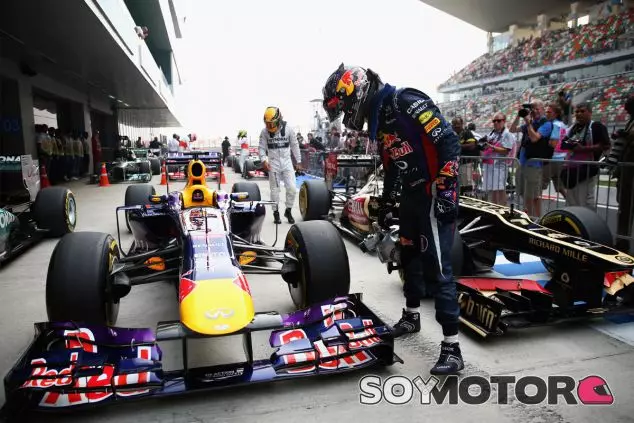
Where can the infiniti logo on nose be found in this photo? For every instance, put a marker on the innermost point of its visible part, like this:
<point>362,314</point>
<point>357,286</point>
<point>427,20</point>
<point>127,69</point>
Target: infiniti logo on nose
<point>214,314</point>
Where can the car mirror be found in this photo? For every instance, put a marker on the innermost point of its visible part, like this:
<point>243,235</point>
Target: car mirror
<point>239,196</point>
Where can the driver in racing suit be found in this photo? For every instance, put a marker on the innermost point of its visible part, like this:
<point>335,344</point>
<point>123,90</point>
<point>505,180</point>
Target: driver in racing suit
<point>419,148</point>
<point>277,140</point>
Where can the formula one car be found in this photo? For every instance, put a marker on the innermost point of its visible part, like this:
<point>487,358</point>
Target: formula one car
<point>177,164</point>
<point>203,241</point>
<point>347,200</point>
<point>127,167</point>
<point>588,277</point>
<point>253,165</point>
<point>53,213</point>
<point>152,155</point>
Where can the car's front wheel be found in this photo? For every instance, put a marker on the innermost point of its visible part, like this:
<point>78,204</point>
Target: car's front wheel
<point>79,283</point>
<point>323,270</point>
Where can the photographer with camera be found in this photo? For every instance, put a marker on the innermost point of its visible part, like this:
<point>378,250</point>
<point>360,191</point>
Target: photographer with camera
<point>536,132</point>
<point>498,143</point>
<point>586,141</point>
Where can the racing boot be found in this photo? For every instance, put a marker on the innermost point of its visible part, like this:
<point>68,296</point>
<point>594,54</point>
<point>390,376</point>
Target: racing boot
<point>276,218</point>
<point>289,216</point>
<point>409,323</point>
<point>450,361</point>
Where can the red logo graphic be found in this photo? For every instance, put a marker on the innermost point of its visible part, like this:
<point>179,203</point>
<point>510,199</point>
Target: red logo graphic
<point>390,139</point>
<point>594,390</point>
<point>403,150</point>
<point>450,169</point>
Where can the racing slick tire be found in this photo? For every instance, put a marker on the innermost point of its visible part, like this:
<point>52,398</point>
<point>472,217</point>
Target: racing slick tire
<point>137,195</point>
<point>323,269</point>
<point>314,200</point>
<point>145,167</point>
<point>236,166</point>
<point>155,165</point>
<point>577,221</point>
<point>78,283</point>
<point>249,166</point>
<point>55,210</point>
<point>251,187</point>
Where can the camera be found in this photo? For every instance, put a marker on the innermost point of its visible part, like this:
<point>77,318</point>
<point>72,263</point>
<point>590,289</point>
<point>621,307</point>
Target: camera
<point>525,110</point>
<point>568,144</point>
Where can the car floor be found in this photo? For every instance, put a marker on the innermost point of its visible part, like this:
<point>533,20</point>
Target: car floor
<point>578,350</point>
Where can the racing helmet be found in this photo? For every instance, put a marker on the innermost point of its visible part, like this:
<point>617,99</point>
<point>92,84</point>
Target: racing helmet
<point>242,134</point>
<point>349,90</point>
<point>272,119</point>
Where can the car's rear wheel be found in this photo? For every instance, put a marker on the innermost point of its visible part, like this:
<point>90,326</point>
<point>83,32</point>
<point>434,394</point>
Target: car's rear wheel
<point>55,210</point>
<point>251,187</point>
<point>155,164</point>
<point>323,270</point>
<point>137,195</point>
<point>580,222</point>
<point>249,166</point>
<point>314,200</point>
<point>78,283</point>
<point>236,165</point>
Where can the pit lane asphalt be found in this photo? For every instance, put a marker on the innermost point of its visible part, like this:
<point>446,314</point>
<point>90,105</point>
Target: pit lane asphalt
<point>574,350</point>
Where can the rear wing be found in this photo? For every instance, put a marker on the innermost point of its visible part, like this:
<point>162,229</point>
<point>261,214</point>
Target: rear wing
<point>209,158</point>
<point>358,160</point>
<point>333,162</point>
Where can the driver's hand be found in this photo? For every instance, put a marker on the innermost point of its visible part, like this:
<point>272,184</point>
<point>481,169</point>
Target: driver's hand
<point>299,167</point>
<point>265,165</point>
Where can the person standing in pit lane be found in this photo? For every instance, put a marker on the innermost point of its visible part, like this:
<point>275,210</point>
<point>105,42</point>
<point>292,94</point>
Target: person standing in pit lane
<point>277,140</point>
<point>419,147</point>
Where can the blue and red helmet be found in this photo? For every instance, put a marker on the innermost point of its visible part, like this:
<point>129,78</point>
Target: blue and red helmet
<point>348,90</point>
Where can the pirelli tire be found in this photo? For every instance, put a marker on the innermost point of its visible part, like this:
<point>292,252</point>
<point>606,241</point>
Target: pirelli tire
<point>79,284</point>
<point>249,166</point>
<point>137,195</point>
<point>322,267</point>
<point>577,221</point>
<point>155,165</point>
<point>236,166</point>
<point>250,187</point>
<point>314,200</point>
<point>55,210</point>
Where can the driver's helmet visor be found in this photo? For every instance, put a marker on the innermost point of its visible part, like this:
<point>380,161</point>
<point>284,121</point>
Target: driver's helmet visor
<point>271,126</point>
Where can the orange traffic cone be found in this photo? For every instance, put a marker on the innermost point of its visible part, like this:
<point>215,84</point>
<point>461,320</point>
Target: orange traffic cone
<point>163,175</point>
<point>44,182</point>
<point>103,178</point>
<point>223,178</point>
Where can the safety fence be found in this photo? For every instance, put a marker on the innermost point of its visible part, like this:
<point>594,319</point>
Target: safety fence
<point>537,187</point>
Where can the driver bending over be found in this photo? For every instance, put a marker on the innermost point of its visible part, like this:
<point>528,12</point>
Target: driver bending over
<point>276,142</point>
<point>418,146</point>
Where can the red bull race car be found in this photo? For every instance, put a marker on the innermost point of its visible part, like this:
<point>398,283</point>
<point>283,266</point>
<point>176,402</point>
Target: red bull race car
<point>204,241</point>
<point>176,164</point>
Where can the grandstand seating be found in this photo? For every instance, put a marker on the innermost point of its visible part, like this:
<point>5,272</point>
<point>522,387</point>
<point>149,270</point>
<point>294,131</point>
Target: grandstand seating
<point>553,47</point>
<point>605,93</point>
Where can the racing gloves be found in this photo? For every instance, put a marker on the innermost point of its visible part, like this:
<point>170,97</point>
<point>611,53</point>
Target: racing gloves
<point>446,199</point>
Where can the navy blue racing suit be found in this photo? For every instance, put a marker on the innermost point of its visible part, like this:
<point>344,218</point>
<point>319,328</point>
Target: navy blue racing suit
<point>421,151</point>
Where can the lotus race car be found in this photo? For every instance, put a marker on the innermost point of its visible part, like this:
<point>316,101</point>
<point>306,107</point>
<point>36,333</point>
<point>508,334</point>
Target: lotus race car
<point>203,241</point>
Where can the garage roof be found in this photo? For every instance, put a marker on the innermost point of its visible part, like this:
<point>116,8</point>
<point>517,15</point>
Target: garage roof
<point>498,15</point>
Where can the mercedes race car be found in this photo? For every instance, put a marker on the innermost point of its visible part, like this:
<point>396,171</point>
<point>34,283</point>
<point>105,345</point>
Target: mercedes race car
<point>53,213</point>
<point>128,167</point>
<point>203,241</point>
<point>588,278</point>
<point>252,165</point>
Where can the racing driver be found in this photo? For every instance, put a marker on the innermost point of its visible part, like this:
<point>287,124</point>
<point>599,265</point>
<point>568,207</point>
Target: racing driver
<point>276,142</point>
<point>420,149</point>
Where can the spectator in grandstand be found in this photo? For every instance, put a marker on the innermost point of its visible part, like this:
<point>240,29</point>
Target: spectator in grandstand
<point>498,143</point>
<point>552,170</point>
<point>469,167</point>
<point>564,101</point>
<point>536,131</point>
<point>586,141</point>
<point>622,156</point>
